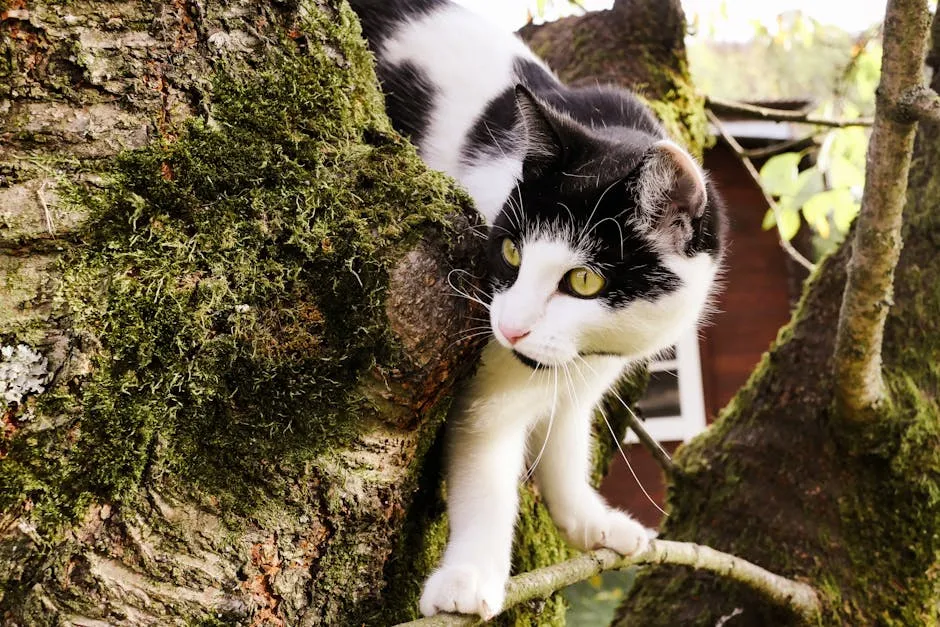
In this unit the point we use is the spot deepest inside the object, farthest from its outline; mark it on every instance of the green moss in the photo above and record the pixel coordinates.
(537, 544)
(235, 279)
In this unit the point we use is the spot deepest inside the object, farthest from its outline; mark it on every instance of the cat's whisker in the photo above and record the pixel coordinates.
(466, 338)
(619, 229)
(623, 454)
(548, 431)
(594, 210)
(462, 293)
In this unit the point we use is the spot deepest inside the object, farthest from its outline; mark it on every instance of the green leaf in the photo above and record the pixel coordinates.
(843, 173)
(808, 183)
(779, 175)
(788, 222)
(844, 211)
(770, 221)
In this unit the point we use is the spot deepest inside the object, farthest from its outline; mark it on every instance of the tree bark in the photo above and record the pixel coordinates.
(782, 480)
(232, 276)
(228, 339)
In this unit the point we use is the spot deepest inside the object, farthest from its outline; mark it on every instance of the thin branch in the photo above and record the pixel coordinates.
(755, 176)
(790, 145)
(540, 583)
(720, 105)
(870, 282)
(656, 450)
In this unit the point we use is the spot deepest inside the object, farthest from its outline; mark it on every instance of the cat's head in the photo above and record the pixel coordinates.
(609, 245)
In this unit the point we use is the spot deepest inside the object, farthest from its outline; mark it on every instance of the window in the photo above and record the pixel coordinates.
(673, 408)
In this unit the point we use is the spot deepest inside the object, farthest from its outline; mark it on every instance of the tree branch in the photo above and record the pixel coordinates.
(655, 448)
(870, 283)
(755, 176)
(543, 582)
(720, 105)
(791, 145)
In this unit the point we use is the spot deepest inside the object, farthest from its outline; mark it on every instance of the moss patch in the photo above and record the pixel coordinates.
(235, 279)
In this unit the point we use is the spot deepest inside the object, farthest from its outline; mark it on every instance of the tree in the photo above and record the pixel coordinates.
(228, 350)
(228, 339)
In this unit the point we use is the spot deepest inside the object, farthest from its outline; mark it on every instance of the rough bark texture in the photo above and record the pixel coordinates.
(870, 274)
(247, 334)
(852, 509)
(227, 339)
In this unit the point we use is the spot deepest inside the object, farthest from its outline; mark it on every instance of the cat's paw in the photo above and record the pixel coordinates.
(464, 589)
(607, 528)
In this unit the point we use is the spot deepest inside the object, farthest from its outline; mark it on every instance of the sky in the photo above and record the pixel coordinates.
(733, 19)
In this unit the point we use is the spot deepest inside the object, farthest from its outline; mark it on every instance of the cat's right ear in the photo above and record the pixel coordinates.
(542, 141)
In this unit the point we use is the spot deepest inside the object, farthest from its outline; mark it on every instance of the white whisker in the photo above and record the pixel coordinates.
(620, 448)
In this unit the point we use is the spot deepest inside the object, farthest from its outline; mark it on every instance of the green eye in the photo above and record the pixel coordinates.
(585, 282)
(511, 253)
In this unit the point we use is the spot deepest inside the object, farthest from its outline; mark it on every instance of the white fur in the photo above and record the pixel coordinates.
(450, 44)
(508, 410)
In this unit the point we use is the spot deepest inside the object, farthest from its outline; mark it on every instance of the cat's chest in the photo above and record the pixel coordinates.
(507, 387)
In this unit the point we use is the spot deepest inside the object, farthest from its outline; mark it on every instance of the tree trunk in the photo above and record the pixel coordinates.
(228, 340)
(227, 277)
(784, 481)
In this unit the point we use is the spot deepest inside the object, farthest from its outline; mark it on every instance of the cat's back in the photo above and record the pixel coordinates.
(440, 65)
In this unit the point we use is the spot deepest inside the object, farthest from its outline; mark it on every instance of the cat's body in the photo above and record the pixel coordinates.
(604, 243)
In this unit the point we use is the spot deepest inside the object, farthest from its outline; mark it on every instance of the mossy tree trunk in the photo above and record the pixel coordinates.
(228, 340)
(783, 479)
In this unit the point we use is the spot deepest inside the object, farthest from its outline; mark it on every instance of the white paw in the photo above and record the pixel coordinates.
(464, 589)
(607, 528)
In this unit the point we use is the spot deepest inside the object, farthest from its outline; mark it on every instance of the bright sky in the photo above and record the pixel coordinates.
(733, 19)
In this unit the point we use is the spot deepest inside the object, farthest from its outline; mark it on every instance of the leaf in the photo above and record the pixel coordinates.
(808, 183)
(843, 173)
(788, 222)
(779, 174)
(770, 221)
(844, 212)
(837, 203)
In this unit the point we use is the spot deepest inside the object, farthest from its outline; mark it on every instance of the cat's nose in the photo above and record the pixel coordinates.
(511, 334)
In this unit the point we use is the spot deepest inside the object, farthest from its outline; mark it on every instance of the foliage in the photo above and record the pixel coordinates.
(827, 193)
(839, 72)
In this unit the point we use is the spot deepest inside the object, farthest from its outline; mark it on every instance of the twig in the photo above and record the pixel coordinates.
(791, 145)
(755, 176)
(655, 449)
(870, 281)
(543, 582)
(50, 226)
(720, 105)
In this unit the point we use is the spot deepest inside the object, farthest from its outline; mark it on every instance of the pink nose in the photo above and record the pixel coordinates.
(512, 335)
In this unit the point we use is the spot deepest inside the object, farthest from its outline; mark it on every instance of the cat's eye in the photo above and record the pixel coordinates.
(585, 282)
(511, 253)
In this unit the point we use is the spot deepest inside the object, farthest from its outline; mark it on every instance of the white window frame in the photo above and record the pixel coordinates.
(691, 420)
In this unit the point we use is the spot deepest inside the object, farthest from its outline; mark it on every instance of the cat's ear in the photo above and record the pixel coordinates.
(671, 193)
(540, 130)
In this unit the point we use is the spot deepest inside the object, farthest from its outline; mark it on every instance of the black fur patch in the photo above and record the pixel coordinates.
(379, 17)
(409, 99)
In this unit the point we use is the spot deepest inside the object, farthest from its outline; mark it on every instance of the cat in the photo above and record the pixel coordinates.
(604, 241)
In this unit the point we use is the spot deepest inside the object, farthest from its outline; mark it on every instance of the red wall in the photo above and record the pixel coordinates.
(753, 305)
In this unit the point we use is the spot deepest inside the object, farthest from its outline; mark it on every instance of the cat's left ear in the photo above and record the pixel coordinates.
(540, 128)
(671, 193)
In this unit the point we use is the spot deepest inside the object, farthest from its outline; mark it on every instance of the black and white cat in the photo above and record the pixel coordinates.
(604, 241)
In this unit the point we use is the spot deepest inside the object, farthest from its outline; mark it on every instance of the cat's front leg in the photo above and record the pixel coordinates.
(563, 473)
(484, 465)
